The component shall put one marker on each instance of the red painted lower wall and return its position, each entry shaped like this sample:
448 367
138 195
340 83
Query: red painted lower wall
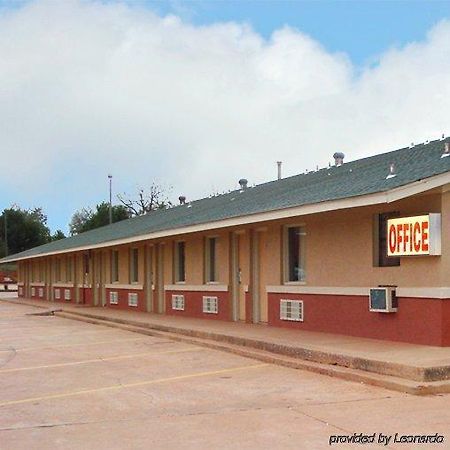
86 296
248 308
62 294
193 305
36 295
123 299
418 320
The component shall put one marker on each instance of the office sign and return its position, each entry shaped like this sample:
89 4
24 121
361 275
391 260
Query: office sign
417 235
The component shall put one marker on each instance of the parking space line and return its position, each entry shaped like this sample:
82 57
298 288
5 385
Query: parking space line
49 336
27 349
99 360
131 385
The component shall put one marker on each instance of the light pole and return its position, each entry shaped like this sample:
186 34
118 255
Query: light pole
6 232
110 198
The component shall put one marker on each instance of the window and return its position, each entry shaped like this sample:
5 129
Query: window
180 262
294 254
86 263
33 271
210 260
69 269
134 265
58 269
381 259
114 266
210 305
41 271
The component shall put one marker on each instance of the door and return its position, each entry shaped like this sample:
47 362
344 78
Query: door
97 282
238 277
148 283
159 281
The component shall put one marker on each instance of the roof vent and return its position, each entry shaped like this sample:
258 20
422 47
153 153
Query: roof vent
392 172
279 169
338 159
446 150
182 199
243 182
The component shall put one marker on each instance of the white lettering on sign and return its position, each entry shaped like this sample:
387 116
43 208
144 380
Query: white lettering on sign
418 235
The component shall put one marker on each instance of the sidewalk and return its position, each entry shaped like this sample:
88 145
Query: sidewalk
407 361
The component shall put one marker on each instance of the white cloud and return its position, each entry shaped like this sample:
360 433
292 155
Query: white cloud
90 88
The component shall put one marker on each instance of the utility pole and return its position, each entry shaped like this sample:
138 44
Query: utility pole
110 198
6 232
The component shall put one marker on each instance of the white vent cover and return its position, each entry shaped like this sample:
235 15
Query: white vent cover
210 305
178 302
291 310
41 292
33 291
57 294
113 298
132 299
67 294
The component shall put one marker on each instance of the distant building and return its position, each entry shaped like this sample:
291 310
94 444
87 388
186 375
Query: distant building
300 252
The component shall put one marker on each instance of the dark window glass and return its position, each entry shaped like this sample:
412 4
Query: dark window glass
295 254
180 262
383 259
134 265
211 260
114 266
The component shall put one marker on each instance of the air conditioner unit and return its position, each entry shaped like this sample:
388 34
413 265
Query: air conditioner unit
383 299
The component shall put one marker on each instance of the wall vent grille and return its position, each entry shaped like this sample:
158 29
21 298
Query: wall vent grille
178 302
291 310
132 299
113 298
210 305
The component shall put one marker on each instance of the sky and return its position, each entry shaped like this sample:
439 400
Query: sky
196 95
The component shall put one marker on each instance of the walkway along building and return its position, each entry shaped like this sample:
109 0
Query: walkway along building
301 252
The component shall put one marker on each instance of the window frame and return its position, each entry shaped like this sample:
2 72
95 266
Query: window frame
41 270
114 266
286 254
211 266
69 269
380 241
58 269
134 265
177 272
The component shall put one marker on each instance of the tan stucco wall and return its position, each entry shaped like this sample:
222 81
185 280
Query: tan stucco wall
339 252
339 248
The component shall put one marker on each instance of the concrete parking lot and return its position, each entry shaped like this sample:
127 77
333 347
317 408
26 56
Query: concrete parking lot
71 385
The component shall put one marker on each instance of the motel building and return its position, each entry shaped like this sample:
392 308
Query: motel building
360 248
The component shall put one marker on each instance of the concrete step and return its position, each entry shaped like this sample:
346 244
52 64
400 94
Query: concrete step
409 372
295 362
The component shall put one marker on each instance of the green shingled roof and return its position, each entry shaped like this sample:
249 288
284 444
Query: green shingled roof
360 177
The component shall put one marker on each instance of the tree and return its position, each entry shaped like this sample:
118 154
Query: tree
87 219
25 229
57 235
154 199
